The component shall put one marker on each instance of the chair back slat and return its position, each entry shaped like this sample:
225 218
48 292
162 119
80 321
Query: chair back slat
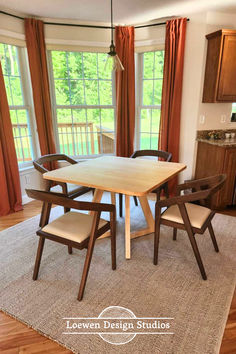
167 156
39 163
202 190
63 200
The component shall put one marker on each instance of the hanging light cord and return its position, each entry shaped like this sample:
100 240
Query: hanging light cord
112 51
111 23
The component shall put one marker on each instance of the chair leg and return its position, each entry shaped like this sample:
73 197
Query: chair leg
65 191
156 237
113 245
45 214
197 254
38 257
213 238
42 214
135 200
120 204
86 269
174 233
69 249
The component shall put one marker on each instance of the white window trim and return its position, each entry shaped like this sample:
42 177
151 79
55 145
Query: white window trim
139 94
28 102
28 96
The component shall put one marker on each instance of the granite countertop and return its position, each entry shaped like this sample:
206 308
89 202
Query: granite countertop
220 142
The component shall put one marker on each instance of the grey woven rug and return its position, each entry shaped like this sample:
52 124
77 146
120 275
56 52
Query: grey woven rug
173 289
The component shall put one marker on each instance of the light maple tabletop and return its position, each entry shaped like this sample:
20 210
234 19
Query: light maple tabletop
120 175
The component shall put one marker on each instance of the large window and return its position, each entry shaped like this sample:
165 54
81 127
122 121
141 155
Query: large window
83 101
11 60
149 101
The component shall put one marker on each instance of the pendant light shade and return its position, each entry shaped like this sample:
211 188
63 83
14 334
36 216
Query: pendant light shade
113 61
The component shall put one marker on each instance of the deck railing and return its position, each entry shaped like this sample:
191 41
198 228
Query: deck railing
22 142
74 139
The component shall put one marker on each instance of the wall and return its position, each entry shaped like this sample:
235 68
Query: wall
193 62
217 115
194 70
30 178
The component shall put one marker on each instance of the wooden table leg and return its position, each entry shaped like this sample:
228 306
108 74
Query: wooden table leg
127 227
149 219
97 195
113 198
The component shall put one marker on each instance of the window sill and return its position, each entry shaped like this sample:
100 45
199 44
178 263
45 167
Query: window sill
26 169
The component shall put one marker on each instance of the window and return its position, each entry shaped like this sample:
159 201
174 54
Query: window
83 103
233 115
149 101
11 58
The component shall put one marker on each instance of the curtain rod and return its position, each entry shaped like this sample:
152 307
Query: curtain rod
85 26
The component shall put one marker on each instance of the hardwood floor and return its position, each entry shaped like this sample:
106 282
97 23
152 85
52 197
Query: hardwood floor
17 338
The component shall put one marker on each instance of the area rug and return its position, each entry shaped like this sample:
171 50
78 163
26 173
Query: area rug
197 310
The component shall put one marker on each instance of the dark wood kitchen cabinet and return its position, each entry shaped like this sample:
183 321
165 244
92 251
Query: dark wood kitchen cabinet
213 159
220 70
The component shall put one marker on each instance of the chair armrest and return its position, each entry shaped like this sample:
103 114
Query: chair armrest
62 200
71 160
200 195
39 167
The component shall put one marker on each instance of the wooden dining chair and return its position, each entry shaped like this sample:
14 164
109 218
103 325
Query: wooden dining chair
183 213
74 229
166 156
70 190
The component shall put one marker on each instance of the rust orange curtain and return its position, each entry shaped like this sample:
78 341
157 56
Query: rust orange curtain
125 92
10 199
172 90
34 32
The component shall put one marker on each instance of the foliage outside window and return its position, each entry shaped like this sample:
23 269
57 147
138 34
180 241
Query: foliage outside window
233 116
150 99
234 107
83 103
19 111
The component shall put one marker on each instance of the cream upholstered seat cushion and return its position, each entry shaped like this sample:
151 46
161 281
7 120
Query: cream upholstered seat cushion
71 188
73 226
197 214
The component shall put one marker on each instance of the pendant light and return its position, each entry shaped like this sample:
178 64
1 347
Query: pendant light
112 58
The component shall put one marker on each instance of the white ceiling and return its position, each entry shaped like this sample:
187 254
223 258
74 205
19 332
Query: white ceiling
125 11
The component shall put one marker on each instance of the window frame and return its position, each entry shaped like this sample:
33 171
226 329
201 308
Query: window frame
55 106
139 96
28 104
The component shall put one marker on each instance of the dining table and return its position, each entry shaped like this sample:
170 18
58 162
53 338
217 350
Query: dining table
131 177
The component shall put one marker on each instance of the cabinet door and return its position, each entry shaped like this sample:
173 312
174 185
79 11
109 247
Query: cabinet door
230 170
227 78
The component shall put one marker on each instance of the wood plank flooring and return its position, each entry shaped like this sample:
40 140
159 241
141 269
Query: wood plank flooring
17 338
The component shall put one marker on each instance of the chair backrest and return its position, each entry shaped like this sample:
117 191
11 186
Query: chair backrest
207 186
39 163
214 183
63 200
202 190
167 156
